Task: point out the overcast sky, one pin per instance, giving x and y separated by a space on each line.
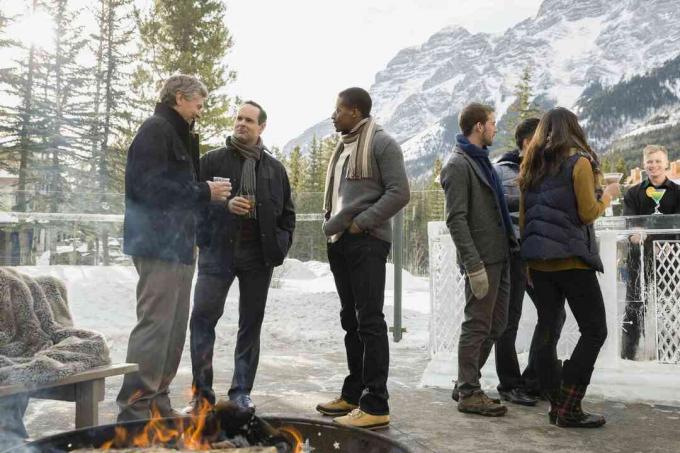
294 56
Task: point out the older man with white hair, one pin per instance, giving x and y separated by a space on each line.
162 194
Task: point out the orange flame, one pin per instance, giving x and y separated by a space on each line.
297 437
158 432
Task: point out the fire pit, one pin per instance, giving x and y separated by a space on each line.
299 436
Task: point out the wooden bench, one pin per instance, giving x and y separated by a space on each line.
86 389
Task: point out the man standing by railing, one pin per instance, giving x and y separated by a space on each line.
366 185
162 193
481 228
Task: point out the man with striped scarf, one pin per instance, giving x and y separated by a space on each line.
366 186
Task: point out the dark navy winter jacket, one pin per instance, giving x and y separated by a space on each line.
552 226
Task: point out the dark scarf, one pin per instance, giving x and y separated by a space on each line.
250 154
481 157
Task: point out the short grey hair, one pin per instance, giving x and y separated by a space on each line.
189 86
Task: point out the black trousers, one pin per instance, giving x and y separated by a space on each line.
530 378
358 265
507 366
209 299
582 291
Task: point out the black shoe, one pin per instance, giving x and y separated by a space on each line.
583 420
244 402
455 396
517 396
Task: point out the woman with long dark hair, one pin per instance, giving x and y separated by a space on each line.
561 197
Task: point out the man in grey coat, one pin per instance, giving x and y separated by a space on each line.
481 228
366 185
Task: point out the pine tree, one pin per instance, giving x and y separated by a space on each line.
297 170
4 75
523 107
435 195
621 166
278 154
67 111
25 122
110 106
315 169
188 36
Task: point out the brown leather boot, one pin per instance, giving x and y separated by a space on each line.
479 403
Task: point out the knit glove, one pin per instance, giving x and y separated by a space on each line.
479 283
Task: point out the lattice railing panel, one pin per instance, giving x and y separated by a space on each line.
447 292
667 300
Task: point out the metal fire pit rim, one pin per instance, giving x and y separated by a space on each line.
316 421
279 420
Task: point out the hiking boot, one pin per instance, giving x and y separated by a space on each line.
360 419
569 413
455 395
517 396
479 403
336 407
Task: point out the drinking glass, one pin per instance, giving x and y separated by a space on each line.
610 178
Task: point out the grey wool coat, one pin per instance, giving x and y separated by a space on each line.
473 214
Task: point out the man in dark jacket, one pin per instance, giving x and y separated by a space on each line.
637 201
366 185
513 386
162 193
244 241
481 228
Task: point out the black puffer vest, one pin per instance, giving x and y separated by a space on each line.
552 227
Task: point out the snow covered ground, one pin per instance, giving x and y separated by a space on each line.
302 308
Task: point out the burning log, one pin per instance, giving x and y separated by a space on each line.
222 427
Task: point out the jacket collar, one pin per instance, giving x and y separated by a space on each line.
511 157
666 184
175 119
478 171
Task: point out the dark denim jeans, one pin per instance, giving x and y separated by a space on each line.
209 299
582 291
358 265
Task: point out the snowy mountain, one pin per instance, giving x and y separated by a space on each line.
569 46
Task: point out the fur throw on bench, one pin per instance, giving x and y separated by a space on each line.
38 343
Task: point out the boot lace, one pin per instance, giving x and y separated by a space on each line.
356 413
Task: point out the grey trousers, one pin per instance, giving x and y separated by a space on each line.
157 341
485 321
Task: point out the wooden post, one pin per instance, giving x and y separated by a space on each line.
88 395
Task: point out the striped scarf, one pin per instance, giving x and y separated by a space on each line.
251 154
359 165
